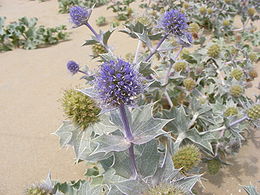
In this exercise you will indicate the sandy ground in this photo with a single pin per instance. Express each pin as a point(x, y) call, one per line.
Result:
point(31, 83)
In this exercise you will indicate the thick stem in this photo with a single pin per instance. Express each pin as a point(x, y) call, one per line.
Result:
point(126, 125)
point(132, 160)
point(157, 47)
point(129, 137)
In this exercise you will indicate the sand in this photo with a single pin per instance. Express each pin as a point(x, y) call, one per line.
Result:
point(31, 83)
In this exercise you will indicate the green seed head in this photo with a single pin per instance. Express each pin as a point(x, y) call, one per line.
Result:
point(231, 111)
point(228, 1)
point(226, 23)
point(253, 57)
point(253, 73)
point(163, 189)
point(187, 157)
point(194, 28)
point(203, 10)
point(214, 166)
point(210, 10)
point(180, 66)
point(236, 90)
point(185, 5)
point(37, 190)
point(214, 51)
point(189, 84)
point(234, 51)
point(251, 11)
point(237, 74)
point(98, 49)
point(81, 109)
point(254, 112)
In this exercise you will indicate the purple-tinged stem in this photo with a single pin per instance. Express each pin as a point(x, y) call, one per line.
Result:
point(92, 30)
point(157, 47)
point(126, 125)
point(129, 137)
point(132, 160)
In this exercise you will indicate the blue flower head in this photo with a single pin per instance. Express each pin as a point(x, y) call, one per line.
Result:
point(73, 67)
point(79, 15)
point(118, 83)
point(174, 22)
point(185, 40)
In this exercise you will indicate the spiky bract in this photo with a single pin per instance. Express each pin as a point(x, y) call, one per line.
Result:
point(186, 157)
point(80, 108)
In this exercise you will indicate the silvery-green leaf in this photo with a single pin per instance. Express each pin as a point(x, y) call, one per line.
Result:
point(110, 143)
point(90, 42)
point(108, 57)
point(147, 158)
point(66, 132)
point(144, 126)
point(166, 172)
point(187, 183)
point(131, 187)
point(250, 190)
point(145, 38)
point(104, 126)
point(180, 126)
point(105, 36)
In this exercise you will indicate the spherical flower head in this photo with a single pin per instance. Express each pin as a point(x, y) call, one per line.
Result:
point(231, 111)
point(236, 90)
point(80, 108)
point(213, 166)
point(118, 83)
point(79, 15)
point(174, 22)
point(73, 67)
point(189, 83)
point(253, 73)
point(214, 51)
point(254, 112)
point(180, 66)
point(98, 49)
point(186, 157)
point(237, 74)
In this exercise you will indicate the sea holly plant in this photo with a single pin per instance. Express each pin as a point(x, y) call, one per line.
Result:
point(148, 126)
